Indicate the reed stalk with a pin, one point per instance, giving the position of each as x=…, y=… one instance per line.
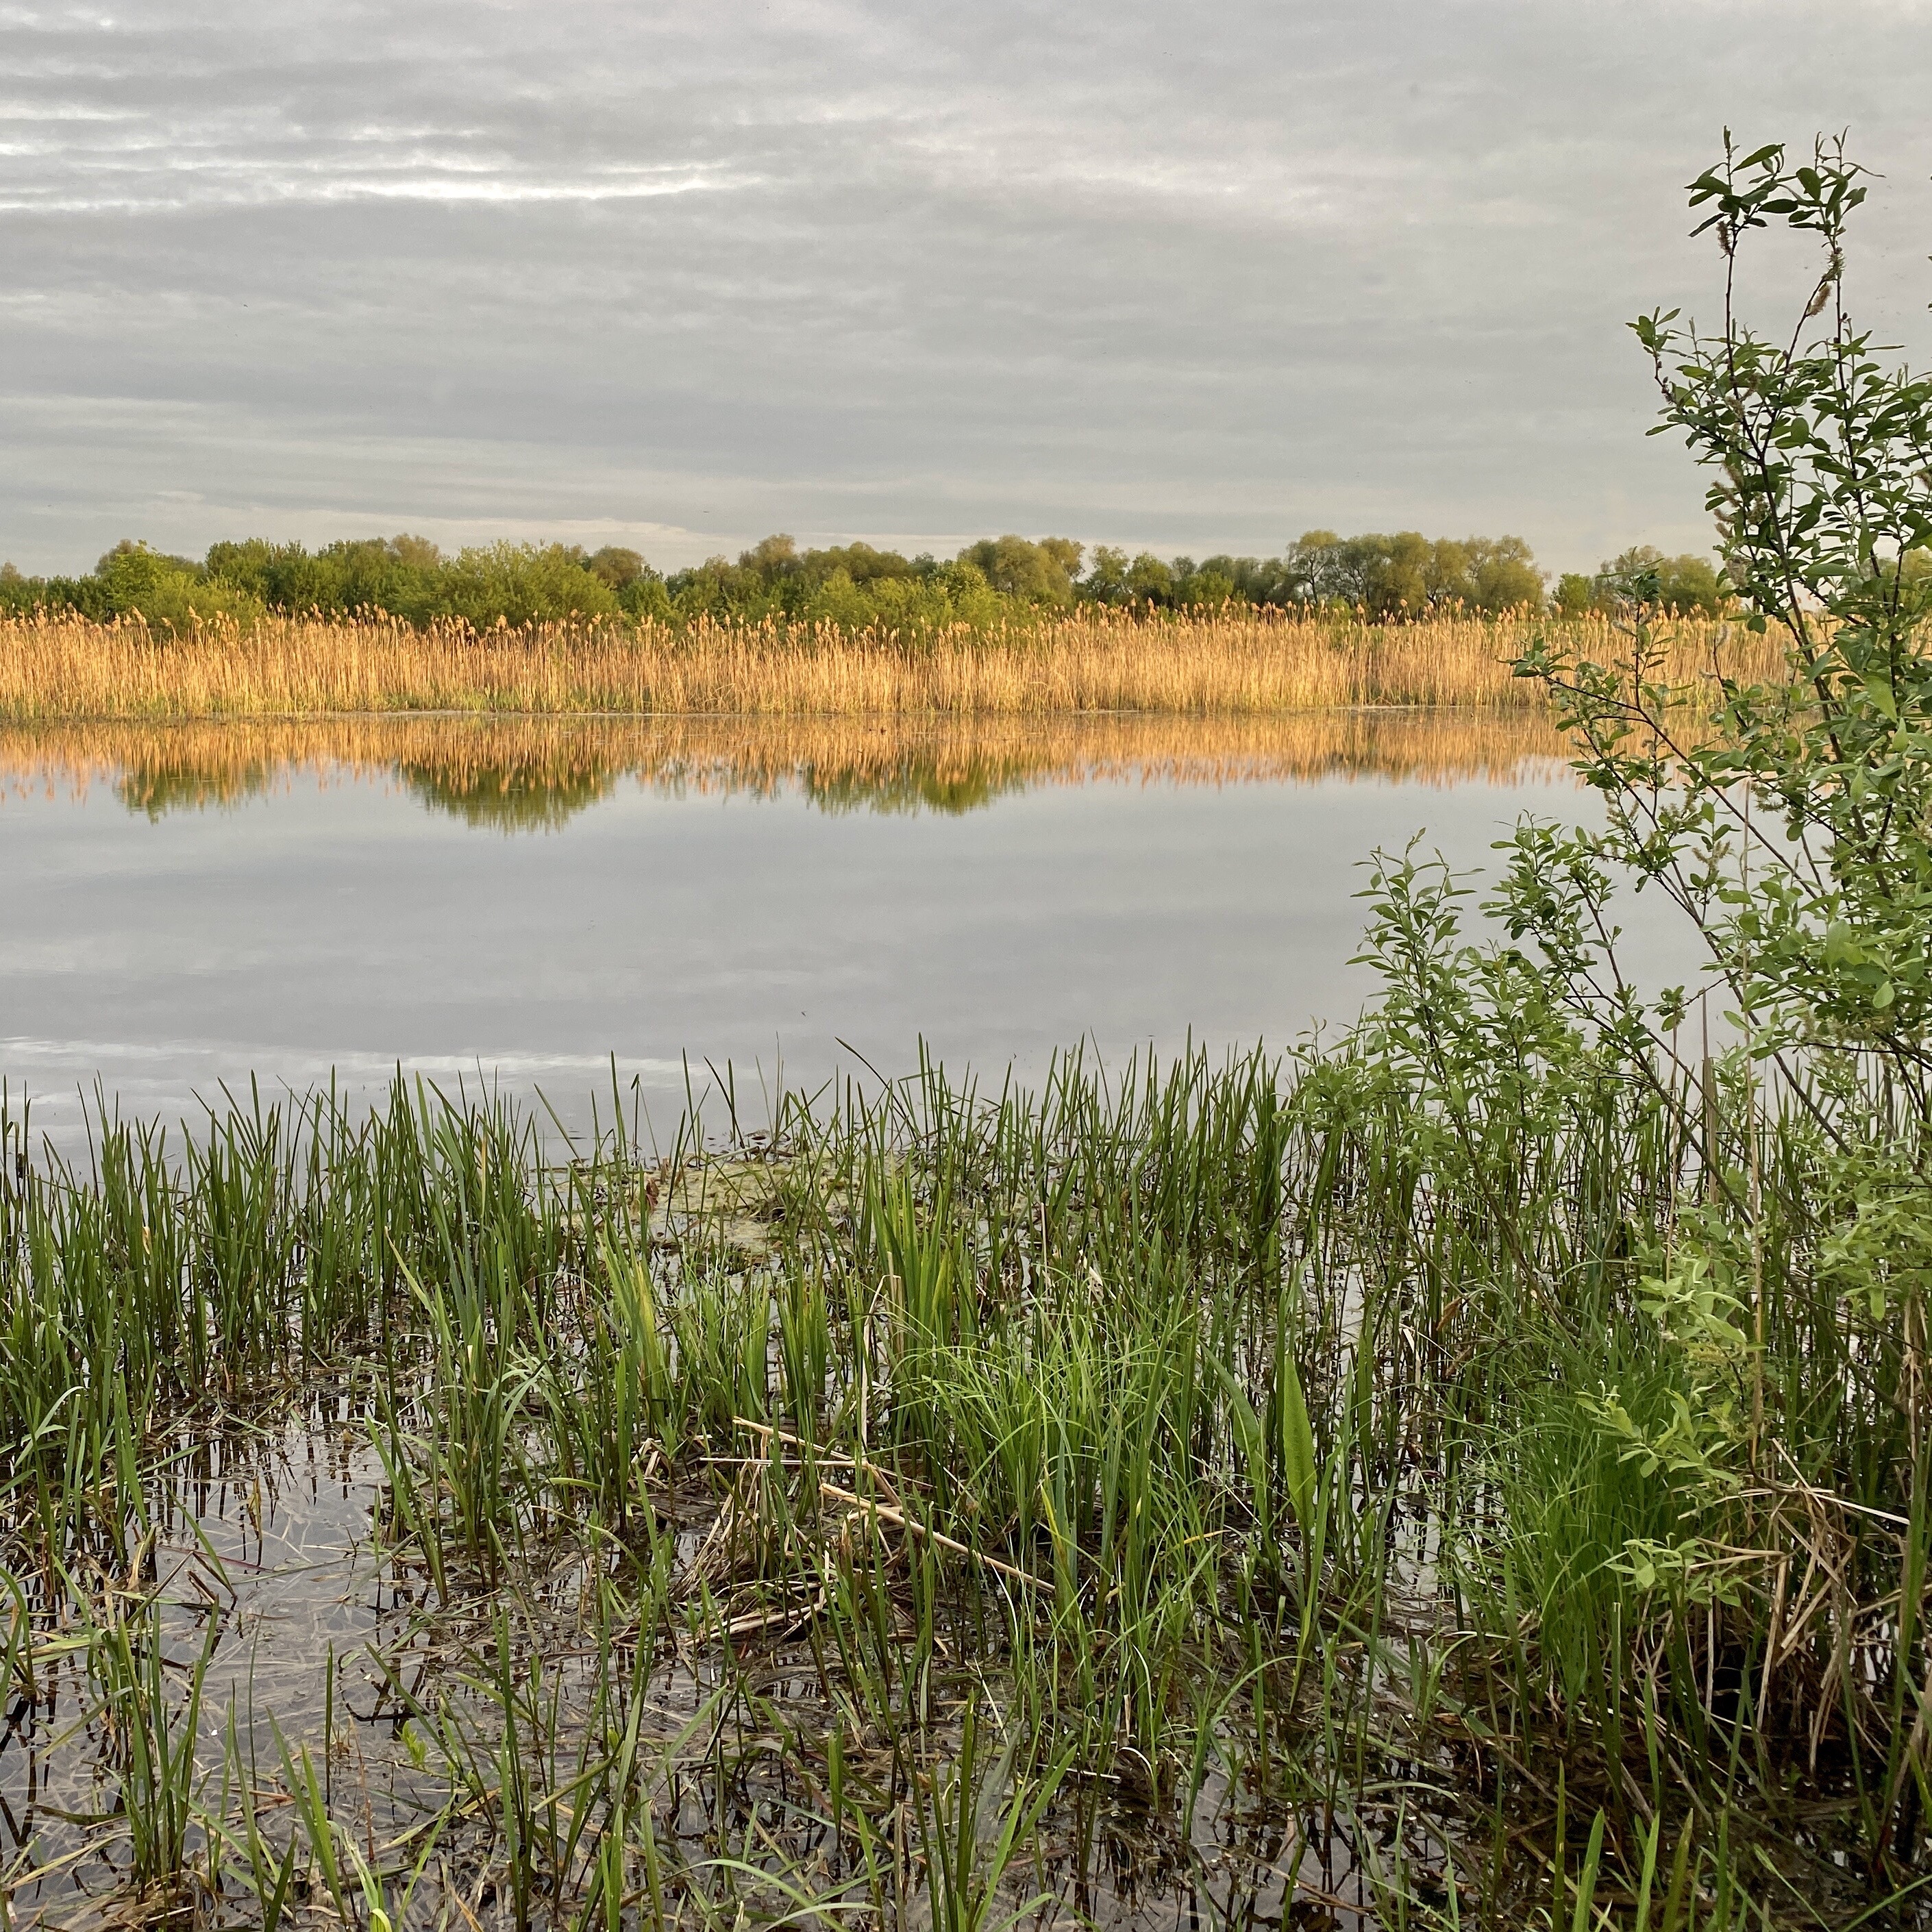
x=1232, y=663
x=1229, y=1442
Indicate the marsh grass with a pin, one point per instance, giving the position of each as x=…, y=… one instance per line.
x=1230, y=664
x=1184, y=1490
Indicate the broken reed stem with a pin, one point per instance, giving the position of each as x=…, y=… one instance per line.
x=870, y=1507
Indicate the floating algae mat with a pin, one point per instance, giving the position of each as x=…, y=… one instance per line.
x=1103, y=1506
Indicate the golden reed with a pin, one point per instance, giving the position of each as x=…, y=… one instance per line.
x=533, y=770
x=1224, y=664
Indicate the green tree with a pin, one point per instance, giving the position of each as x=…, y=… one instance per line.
x=1207, y=588
x=647, y=597
x=22, y=595
x=773, y=559
x=716, y=588
x=282, y=577
x=616, y=566
x=1408, y=574
x=402, y=576
x=1032, y=573
x=1643, y=576
x=862, y=564
x=1320, y=567
x=1501, y=575
x=1257, y=580
x=1064, y=552
x=169, y=593
x=415, y=553
x=1149, y=580
x=1576, y=594
x=1106, y=579
x=997, y=581
x=523, y=583
x=1790, y=820
x=1676, y=585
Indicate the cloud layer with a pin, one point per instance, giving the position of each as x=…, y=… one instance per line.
x=1194, y=278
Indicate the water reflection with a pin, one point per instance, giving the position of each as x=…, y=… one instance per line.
x=795, y=898
x=520, y=774
x=526, y=795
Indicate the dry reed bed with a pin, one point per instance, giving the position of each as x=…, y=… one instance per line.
x=156, y=766
x=1231, y=663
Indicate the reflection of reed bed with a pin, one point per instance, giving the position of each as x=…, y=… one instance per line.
x=540, y=768
x=1238, y=664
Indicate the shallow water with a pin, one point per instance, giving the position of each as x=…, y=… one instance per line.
x=520, y=900
x=313, y=1649
x=529, y=900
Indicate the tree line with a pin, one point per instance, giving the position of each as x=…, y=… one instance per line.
x=997, y=580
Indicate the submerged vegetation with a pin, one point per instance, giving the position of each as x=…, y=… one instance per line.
x=1211, y=1484
x=1479, y=1475
x=1228, y=663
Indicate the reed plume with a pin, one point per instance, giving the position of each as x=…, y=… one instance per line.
x=1231, y=663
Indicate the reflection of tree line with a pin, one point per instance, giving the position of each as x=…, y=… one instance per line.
x=919, y=785
x=532, y=797
x=532, y=774
x=525, y=796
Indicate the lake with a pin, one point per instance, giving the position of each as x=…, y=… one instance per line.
x=531, y=902
x=652, y=910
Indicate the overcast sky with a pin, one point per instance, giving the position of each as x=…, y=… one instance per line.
x=1189, y=277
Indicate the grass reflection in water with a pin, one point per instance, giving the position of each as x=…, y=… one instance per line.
x=517, y=774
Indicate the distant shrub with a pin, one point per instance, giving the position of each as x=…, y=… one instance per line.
x=523, y=583
x=170, y=593
x=1008, y=582
x=1680, y=586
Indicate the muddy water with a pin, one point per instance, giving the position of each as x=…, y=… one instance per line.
x=531, y=901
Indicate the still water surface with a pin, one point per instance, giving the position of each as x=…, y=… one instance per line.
x=523, y=901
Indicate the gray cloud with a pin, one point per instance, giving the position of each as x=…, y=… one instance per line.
x=1193, y=277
